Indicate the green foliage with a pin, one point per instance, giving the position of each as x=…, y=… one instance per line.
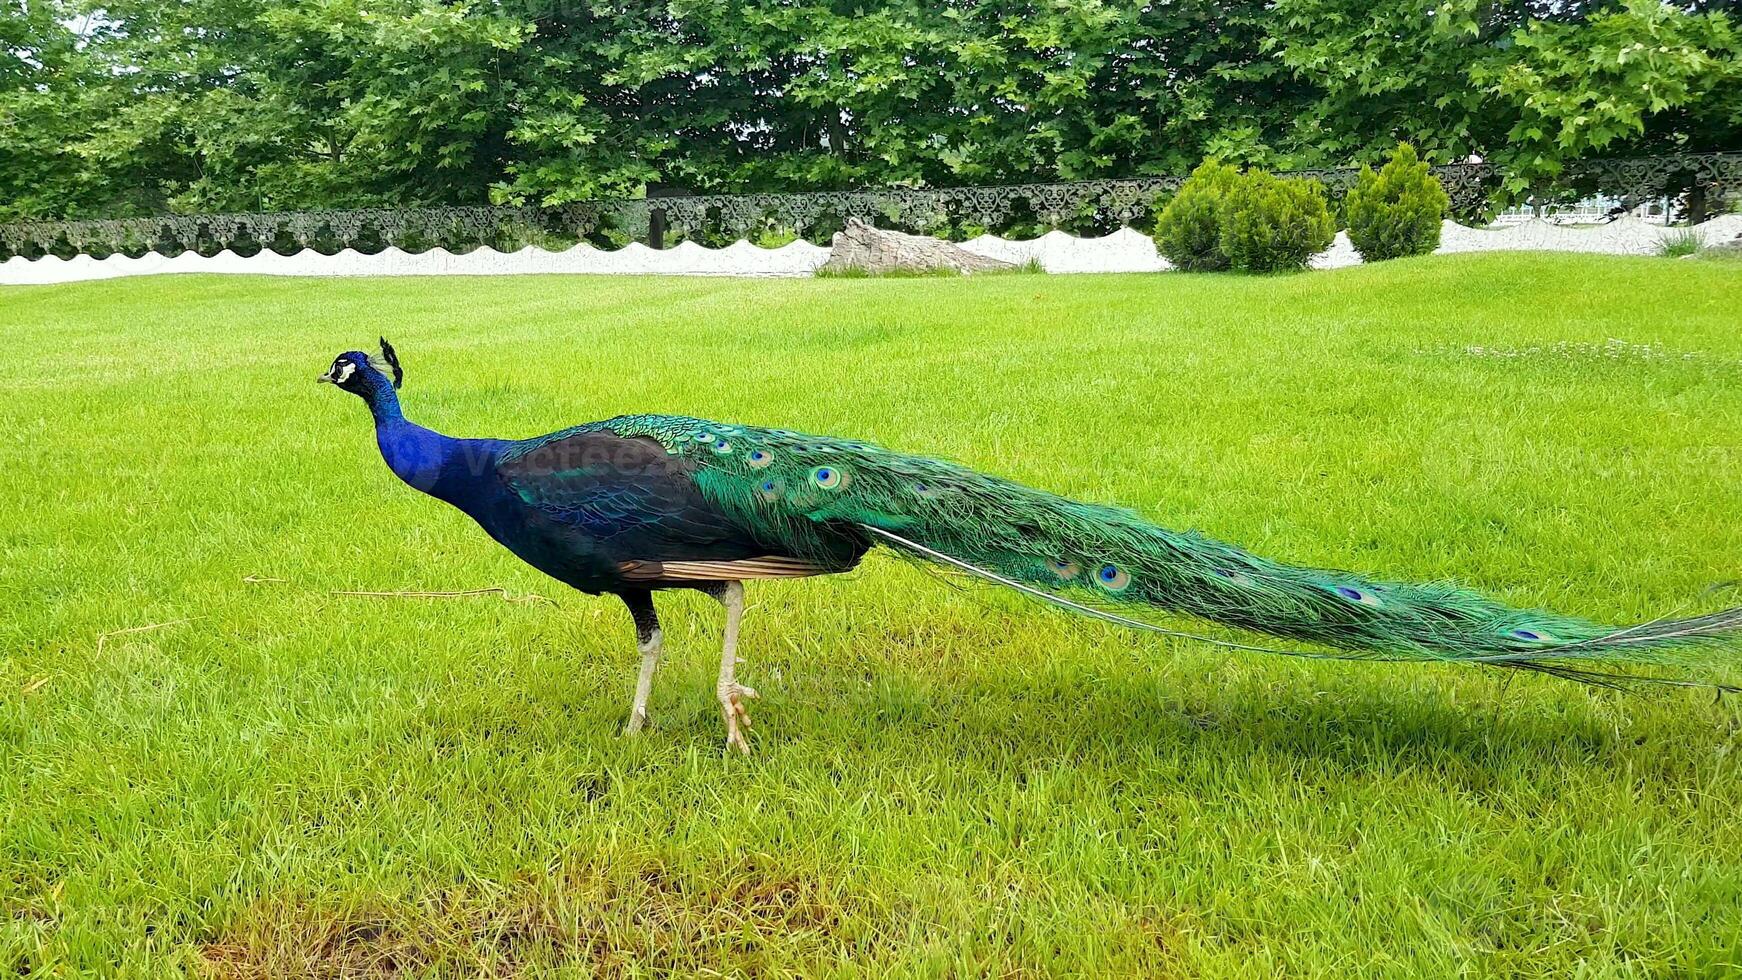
x=1397, y=211
x=774, y=237
x=1189, y=231
x=1680, y=242
x=1647, y=69
x=1272, y=224
x=142, y=106
x=1373, y=72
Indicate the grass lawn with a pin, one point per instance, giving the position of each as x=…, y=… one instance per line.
x=276, y=780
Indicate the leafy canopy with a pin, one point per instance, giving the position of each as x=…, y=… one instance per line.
x=140, y=106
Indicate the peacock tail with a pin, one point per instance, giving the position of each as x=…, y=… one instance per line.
x=804, y=491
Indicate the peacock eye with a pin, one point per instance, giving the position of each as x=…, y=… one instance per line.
x=1113, y=578
x=722, y=447
x=1356, y=595
x=829, y=477
x=1063, y=569
x=759, y=458
x=769, y=490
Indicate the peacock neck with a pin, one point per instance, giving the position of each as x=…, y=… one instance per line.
x=384, y=405
x=415, y=454
x=442, y=466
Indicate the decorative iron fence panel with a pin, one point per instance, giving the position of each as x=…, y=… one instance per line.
x=1473, y=187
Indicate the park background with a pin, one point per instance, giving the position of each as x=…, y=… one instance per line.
x=240, y=738
x=140, y=107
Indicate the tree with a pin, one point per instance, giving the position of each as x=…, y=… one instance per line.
x=138, y=106
x=1648, y=76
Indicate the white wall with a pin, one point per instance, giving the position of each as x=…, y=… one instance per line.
x=1123, y=251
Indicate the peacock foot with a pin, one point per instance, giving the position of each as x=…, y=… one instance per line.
x=736, y=713
x=637, y=721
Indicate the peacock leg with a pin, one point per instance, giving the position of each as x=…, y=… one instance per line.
x=731, y=693
x=649, y=641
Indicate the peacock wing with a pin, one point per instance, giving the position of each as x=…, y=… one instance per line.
x=626, y=496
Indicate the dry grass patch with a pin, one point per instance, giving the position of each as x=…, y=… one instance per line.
x=609, y=921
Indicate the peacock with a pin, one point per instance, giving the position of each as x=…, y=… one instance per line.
x=641, y=503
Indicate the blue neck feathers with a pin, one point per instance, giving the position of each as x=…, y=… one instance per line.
x=383, y=402
x=454, y=470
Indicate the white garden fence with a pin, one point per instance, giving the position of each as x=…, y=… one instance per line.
x=1123, y=251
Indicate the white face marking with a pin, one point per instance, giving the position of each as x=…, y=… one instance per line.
x=346, y=369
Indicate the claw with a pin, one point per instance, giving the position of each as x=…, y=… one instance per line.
x=737, y=715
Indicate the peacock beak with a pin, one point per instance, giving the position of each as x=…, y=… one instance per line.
x=325, y=379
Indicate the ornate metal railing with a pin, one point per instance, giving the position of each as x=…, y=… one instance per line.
x=1473, y=188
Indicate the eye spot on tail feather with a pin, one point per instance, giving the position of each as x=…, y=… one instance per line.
x=1113, y=578
x=1357, y=595
x=829, y=477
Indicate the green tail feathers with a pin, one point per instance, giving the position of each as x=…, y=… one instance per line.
x=804, y=490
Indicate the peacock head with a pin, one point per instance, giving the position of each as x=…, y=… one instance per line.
x=364, y=374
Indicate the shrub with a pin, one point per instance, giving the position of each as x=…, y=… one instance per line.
x=1680, y=243
x=1189, y=231
x=1270, y=224
x=1397, y=211
x=774, y=237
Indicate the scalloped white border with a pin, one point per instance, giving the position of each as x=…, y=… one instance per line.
x=1123, y=251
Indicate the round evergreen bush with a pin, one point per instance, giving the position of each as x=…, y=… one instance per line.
x=1397, y=211
x=1270, y=224
x=1189, y=230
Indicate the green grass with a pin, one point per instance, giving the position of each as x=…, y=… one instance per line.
x=289, y=782
x=859, y=272
x=1030, y=267
x=1680, y=243
x=1718, y=254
